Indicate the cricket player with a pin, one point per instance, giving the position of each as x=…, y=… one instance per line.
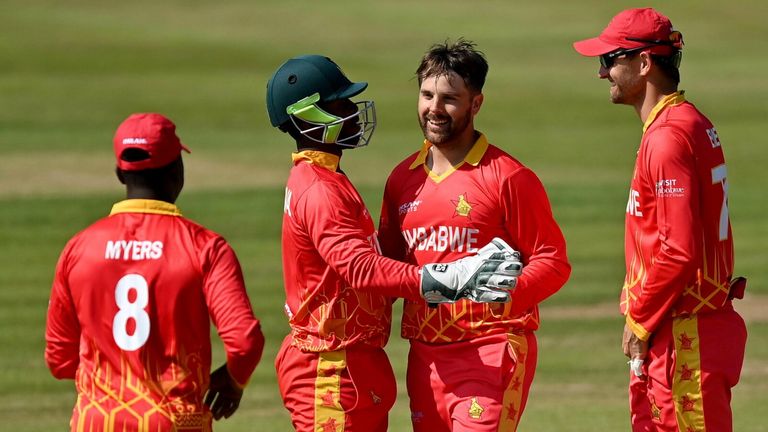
x=684, y=339
x=332, y=369
x=470, y=365
x=133, y=296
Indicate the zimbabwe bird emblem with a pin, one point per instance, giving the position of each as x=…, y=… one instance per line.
x=475, y=410
x=463, y=206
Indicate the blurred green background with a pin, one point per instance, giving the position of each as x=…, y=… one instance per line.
x=70, y=72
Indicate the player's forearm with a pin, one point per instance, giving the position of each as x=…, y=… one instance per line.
x=540, y=279
x=358, y=263
x=390, y=238
x=665, y=282
x=62, y=335
x=673, y=268
x=62, y=359
x=244, y=349
x=372, y=272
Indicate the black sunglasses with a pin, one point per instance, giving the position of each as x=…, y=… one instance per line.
x=607, y=60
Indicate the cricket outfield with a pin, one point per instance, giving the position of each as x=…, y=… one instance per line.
x=71, y=71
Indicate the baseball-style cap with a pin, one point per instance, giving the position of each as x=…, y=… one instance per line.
x=304, y=76
x=153, y=133
x=634, y=28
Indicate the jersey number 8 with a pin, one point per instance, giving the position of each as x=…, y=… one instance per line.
x=131, y=310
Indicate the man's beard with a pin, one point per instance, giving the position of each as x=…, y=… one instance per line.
x=448, y=132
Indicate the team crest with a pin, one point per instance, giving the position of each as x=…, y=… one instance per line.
x=463, y=206
x=475, y=410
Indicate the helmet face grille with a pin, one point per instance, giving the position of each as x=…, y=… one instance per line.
x=323, y=127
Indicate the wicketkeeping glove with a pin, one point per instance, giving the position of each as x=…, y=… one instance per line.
x=487, y=277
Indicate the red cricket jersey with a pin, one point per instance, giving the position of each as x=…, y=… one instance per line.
x=129, y=319
x=337, y=285
x=678, y=243
x=428, y=218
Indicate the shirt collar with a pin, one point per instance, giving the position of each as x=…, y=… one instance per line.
x=320, y=158
x=473, y=157
x=145, y=206
x=675, y=98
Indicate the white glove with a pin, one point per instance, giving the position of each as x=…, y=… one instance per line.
x=636, y=366
x=486, y=277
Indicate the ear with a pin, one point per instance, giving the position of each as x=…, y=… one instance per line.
x=645, y=63
x=477, y=102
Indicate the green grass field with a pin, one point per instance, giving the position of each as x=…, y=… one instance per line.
x=71, y=71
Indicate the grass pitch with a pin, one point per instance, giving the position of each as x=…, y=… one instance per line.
x=72, y=71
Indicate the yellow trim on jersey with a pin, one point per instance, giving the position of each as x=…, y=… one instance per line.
x=473, y=157
x=477, y=151
x=637, y=329
x=513, y=394
x=329, y=415
x=326, y=160
x=669, y=100
x=686, y=381
x=421, y=158
x=437, y=178
x=145, y=206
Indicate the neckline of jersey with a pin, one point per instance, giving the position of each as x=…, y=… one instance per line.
x=145, y=206
x=672, y=99
x=473, y=158
x=326, y=160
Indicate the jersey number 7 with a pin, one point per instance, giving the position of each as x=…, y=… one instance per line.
x=719, y=174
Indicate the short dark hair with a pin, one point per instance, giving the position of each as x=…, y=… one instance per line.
x=460, y=57
x=667, y=66
x=152, y=177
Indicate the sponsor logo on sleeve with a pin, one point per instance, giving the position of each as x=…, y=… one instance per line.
x=408, y=207
x=669, y=188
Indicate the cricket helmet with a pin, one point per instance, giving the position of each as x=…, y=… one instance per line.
x=296, y=88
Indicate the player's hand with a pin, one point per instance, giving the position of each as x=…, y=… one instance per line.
x=224, y=394
x=486, y=277
x=636, y=349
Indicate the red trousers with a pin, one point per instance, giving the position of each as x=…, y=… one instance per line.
x=349, y=390
x=692, y=364
x=479, y=385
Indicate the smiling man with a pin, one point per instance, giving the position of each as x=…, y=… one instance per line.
x=332, y=369
x=470, y=365
x=684, y=339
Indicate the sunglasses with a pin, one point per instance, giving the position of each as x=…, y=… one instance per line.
x=607, y=60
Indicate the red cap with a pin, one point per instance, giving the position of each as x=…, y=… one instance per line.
x=649, y=26
x=153, y=133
